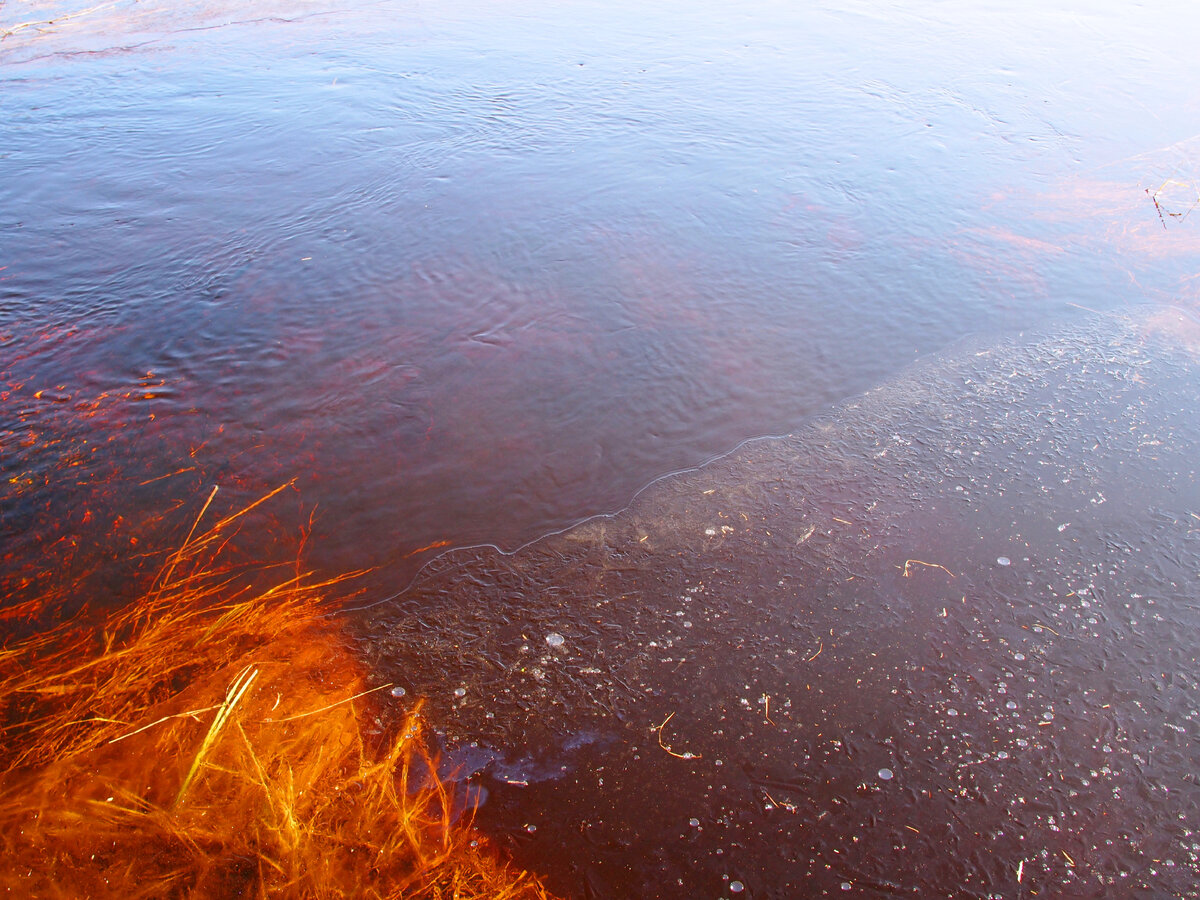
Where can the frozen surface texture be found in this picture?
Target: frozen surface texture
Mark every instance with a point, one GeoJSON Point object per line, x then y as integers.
{"type": "Point", "coordinates": [941, 641]}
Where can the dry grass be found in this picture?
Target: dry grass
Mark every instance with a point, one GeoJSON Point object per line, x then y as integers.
{"type": "Point", "coordinates": [211, 740]}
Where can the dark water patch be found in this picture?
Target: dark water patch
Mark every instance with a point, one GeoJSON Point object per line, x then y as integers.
{"type": "Point", "coordinates": [766, 637]}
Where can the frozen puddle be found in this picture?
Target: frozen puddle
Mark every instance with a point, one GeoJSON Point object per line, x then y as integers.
{"type": "Point", "coordinates": [939, 642]}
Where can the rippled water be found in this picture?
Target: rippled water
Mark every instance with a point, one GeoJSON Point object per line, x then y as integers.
{"type": "Point", "coordinates": [473, 272]}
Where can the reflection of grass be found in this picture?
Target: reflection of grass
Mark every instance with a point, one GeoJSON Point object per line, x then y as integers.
{"type": "Point", "coordinates": [209, 741]}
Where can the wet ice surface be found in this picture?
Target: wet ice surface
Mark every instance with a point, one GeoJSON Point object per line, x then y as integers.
{"type": "Point", "coordinates": [941, 641]}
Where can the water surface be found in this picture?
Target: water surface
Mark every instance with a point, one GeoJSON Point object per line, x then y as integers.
{"type": "Point", "coordinates": [473, 272]}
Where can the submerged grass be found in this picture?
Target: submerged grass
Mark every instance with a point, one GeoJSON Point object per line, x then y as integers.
{"type": "Point", "coordinates": [213, 740]}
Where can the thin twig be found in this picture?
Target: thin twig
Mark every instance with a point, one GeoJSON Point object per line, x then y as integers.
{"type": "Point", "coordinates": [767, 709]}
{"type": "Point", "coordinates": [909, 562]}
{"type": "Point", "coordinates": [687, 754]}
{"type": "Point", "coordinates": [168, 475]}
{"type": "Point", "coordinates": [191, 713]}
{"type": "Point", "coordinates": [330, 706]}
